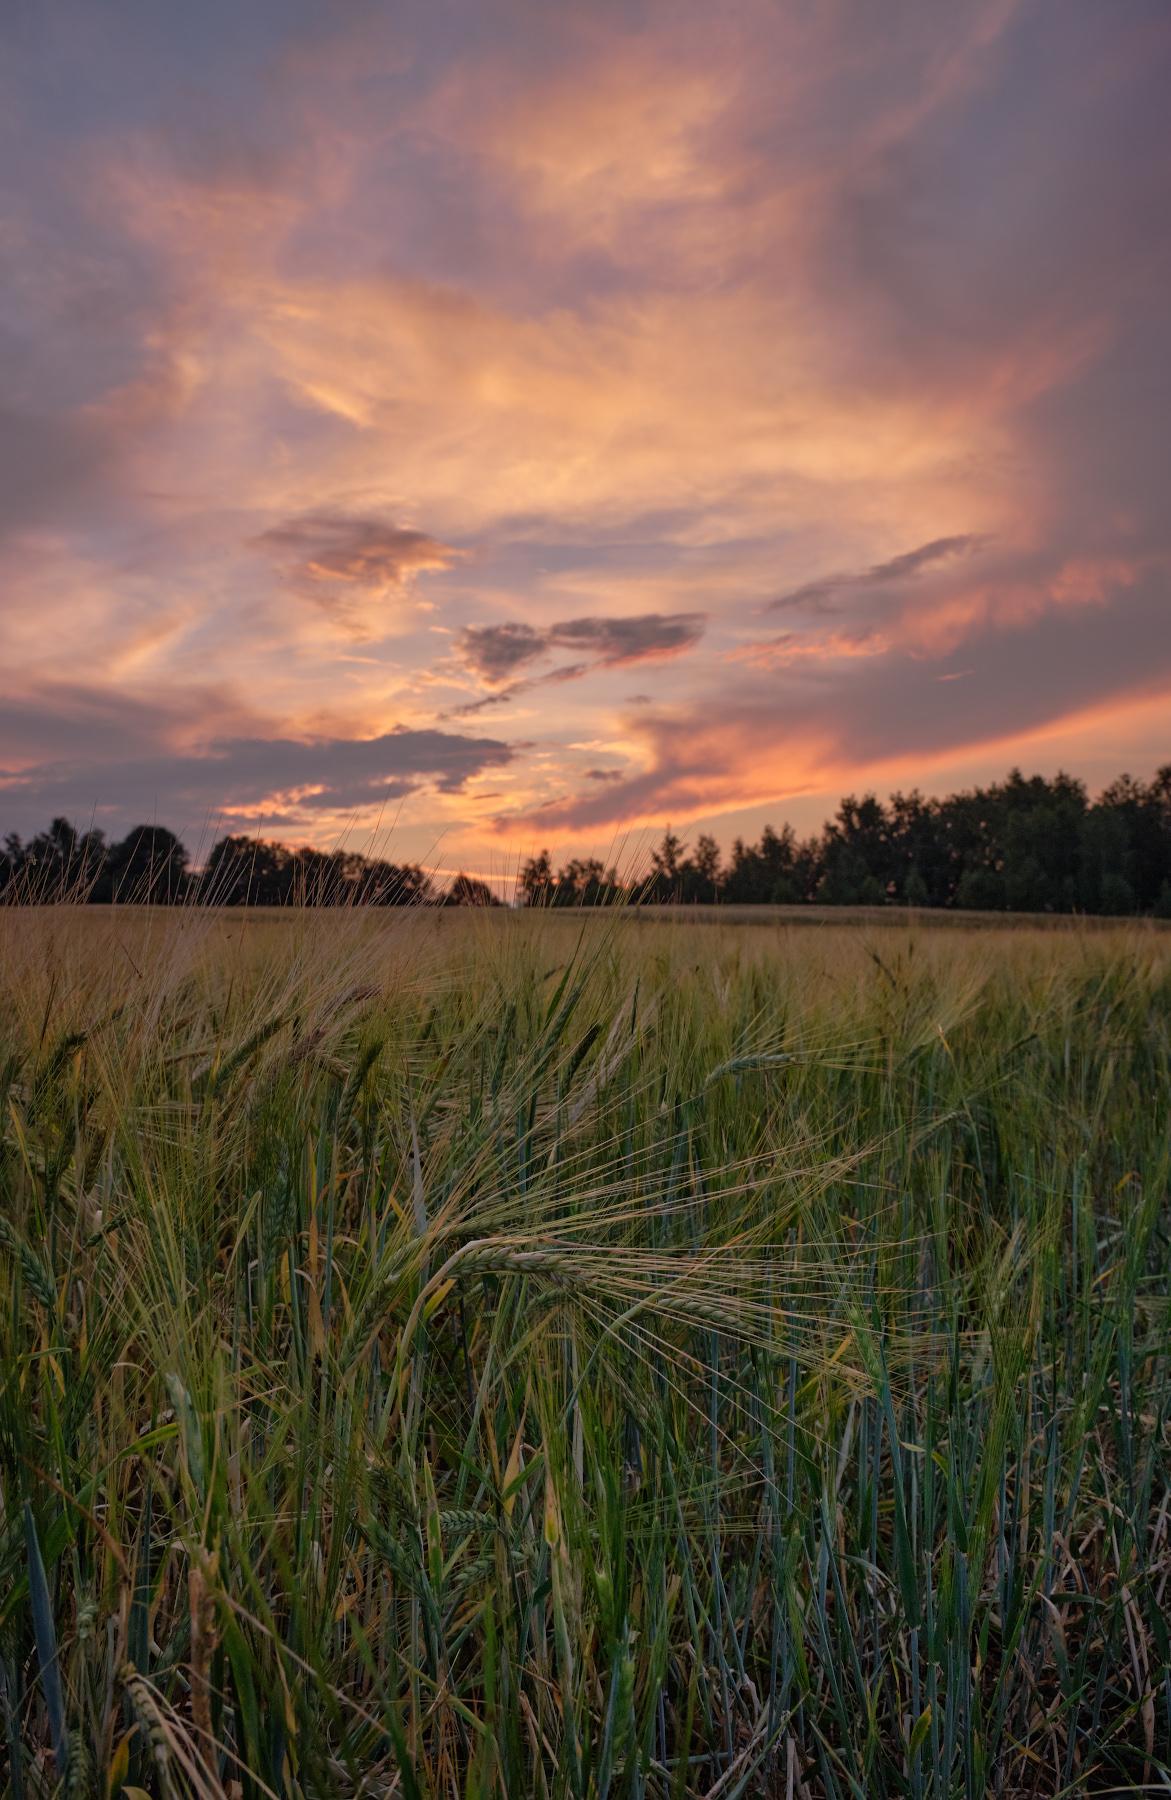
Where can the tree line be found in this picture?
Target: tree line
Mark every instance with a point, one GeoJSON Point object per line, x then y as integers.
{"type": "Point", "coordinates": [150, 864]}
{"type": "Point", "coordinates": [1025, 844]}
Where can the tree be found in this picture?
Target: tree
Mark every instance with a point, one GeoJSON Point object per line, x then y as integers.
{"type": "Point", "coordinates": [1117, 895]}
{"type": "Point", "coordinates": [775, 872]}
{"type": "Point", "coordinates": [243, 871]}
{"type": "Point", "coordinates": [1128, 832]}
{"type": "Point", "coordinates": [149, 865]}
{"type": "Point", "coordinates": [11, 866]}
{"type": "Point", "coordinates": [535, 881]}
{"type": "Point", "coordinates": [582, 882]}
{"type": "Point", "coordinates": [59, 864]}
{"type": "Point", "coordinates": [981, 890]}
{"type": "Point", "coordinates": [858, 867]}
{"type": "Point", "coordinates": [919, 850]}
{"type": "Point", "coordinates": [1041, 841]}
{"type": "Point", "coordinates": [469, 890]}
{"type": "Point", "coordinates": [393, 884]}
{"type": "Point", "coordinates": [707, 869]}
{"type": "Point", "coordinates": [915, 889]}
{"type": "Point", "coordinates": [665, 879]}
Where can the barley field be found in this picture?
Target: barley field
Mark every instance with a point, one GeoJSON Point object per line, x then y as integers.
{"type": "Point", "coordinates": [453, 1354]}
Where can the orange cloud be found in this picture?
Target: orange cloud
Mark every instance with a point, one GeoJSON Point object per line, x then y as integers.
{"type": "Point", "coordinates": [350, 566]}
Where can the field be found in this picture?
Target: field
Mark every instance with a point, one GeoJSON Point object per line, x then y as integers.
{"type": "Point", "coordinates": [493, 1355]}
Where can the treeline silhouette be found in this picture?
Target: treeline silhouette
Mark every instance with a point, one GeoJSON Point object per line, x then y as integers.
{"type": "Point", "coordinates": [150, 864]}
{"type": "Point", "coordinates": [1020, 845]}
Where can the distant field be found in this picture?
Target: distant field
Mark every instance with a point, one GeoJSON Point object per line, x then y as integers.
{"type": "Point", "coordinates": [908, 918]}
{"type": "Point", "coordinates": [902, 918]}
{"type": "Point", "coordinates": [501, 1355]}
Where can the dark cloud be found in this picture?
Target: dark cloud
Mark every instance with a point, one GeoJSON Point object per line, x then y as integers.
{"type": "Point", "coordinates": [819, 596]}
{"type": "Point", "coordinates": [603, 775]}
{"type": "Point", "coordinates": [631, 640]}
{"type": "Point", "coordinates": [327, 775]}
{"type": "Point", "coordinates": [494, 651]}
{"type": "Point", "coordinates": [330, 549]}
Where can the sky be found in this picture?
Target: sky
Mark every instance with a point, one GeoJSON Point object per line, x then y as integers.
{"type": "Point", "coordinates": [473, 425]}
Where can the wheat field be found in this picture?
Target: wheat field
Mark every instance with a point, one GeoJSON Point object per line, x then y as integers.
{"type": "Point", "coordinates": [450, 1354]}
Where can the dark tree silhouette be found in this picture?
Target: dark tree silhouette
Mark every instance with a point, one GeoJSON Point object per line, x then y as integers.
{"type": "Point", "coordinates": [242, 871]}
{"type": "Point", "coordinates": [150, 864]}
{"type": "Point", "coordinates": [667, 866]}
{"type": "Point", "coordinates": [535, 883]}
{"type": "Point", "coordinates": [468, 890]}
{"type": "Point", "coordinates": [775, 872]}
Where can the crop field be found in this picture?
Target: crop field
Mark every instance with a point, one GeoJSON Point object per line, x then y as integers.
{"type": "Point", "coordinates": [485, 1354]}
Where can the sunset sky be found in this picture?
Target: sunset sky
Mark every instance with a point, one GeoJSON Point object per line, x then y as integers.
{"type": "Point", "coordinates": [503, 424]}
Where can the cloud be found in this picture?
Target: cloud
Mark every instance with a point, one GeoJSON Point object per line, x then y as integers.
{"type": "Point", "coordinates": [819, 596]}
{"type": "Point", "coordinates": [341, 562]}
{"type": "Point", "coordinates": [505, 695]}
{"type": "Point", "coordinates": [494, 651]}
{"type": "Point", "coordinates": [767, 735]}
{"type": "Point", "coordinates": [639, 639]}
{"type": "Point", "coordinates": [237, 777]}
{"type": "Point", "coordinates": [331, 547]}
{"type": "Point", "coordinates": [790, 647]}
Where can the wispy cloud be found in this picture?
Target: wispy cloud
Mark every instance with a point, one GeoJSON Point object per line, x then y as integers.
{"type": "Point", "coordinates": [821, 595]}
{"type": "Point", "coordinates": [503, 696]}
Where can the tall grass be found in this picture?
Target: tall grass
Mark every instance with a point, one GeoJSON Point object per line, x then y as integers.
{"type": "Point", "coordinates": [502, 1356]}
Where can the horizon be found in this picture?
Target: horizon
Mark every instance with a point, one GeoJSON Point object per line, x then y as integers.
{"type": "Point", "coordinates": [501, 428]}
{"type": "Point", "coordinates": [631, 863]}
